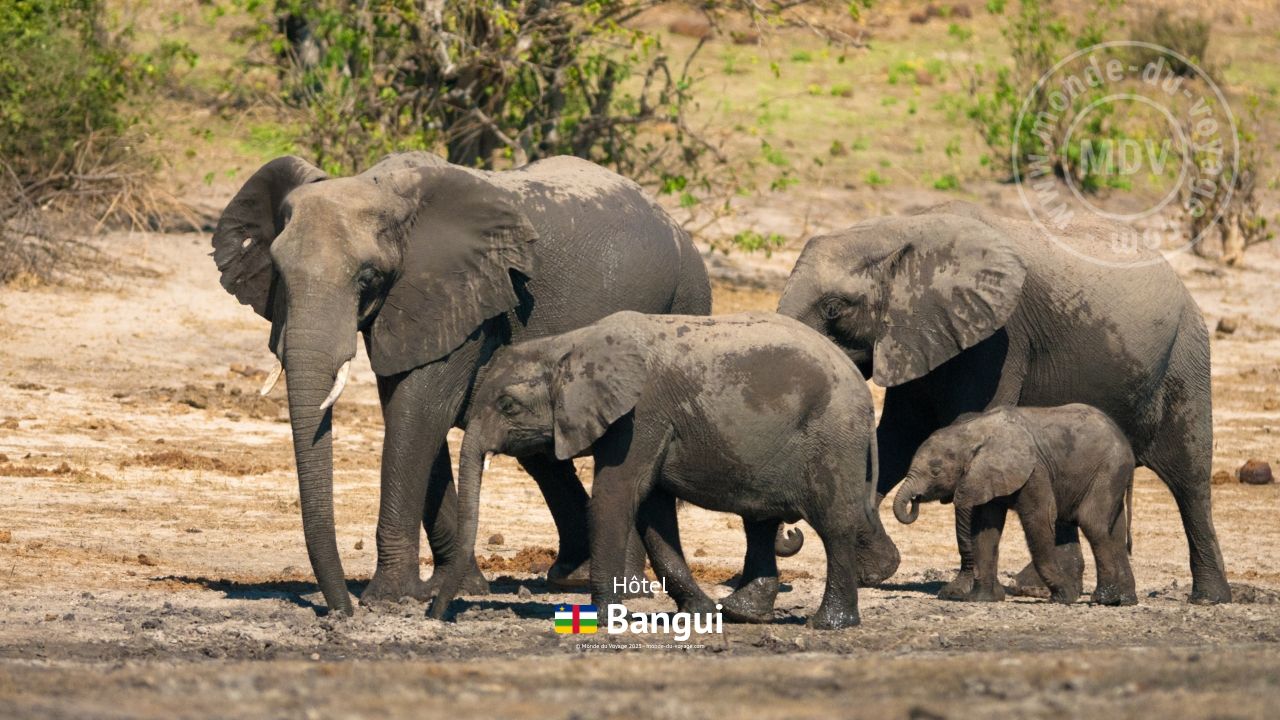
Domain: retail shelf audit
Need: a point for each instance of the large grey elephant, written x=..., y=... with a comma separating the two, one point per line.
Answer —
x=436, y=265
x=958, y=310
x=753, y=414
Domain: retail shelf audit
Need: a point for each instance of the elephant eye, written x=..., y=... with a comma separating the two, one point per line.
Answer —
x=508, y=405
x=833, y=308
x=368, y=278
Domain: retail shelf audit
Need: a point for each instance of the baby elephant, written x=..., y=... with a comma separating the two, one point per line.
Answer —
x=753, y=414
x=1061, y=467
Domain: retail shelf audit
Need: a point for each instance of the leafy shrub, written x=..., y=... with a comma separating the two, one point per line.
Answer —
x=1186, y=35
x=947, y=182
x=1239, y=218
x=522, y=79
x=66, y=147
x=60, y=75
x=504, y=83
x=1038, y=39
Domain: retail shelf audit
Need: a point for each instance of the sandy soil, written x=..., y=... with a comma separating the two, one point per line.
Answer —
x=152, y=564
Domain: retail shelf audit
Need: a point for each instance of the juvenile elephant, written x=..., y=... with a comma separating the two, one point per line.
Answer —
x=753, y=414
x=436, y=265
x=1059, y=468
x=957, y=310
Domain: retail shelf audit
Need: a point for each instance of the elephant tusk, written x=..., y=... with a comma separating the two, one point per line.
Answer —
x=487, y=457
x=272, y=378
x=339, y=383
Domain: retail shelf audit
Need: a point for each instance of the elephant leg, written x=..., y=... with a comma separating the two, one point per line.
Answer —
x=1186, y=471
x=961, y=586
x=1070, y=556
x=988, y=525
x=567, y=501
x=1038, y=513
x=1108, y=538
x=902, y=429
x=626, y=460
x=660, y=533
x=419, y=407
x=839, y=608
x=758, y=588
x=439, y=520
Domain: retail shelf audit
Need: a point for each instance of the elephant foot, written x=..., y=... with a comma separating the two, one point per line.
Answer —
x=701, y=605
x=384, y=587
x=602, y=602
x=575, y=576
x=986, y=593
x=753, y=602
x=1027, y=583
x=568, y=575
x=1210, y=593
x=474, y=583
x=1110, y=595
x=877, y=562
x=959, y=588
x=1064, y=596
x=385, y=591
x=828, y=618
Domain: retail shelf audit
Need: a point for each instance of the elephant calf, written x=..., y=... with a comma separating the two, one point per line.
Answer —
x=1059, y=468
x=753, y=414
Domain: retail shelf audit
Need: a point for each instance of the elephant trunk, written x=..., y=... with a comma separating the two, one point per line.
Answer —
x=313, y=452
x=787, y=543
x=471, y=466
x=315, y=356
x=907, y=495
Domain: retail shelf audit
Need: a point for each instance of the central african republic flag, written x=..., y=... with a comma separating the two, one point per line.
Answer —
x=576, y=619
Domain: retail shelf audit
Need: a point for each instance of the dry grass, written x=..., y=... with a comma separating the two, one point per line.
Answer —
x=182, y=460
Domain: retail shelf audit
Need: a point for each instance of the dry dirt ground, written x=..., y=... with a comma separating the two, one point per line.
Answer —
x=152, y=564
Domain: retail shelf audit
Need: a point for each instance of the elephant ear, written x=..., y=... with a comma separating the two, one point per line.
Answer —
x=1002, y=464
x=466, y=249
x=598, y=381
x=248, y=226
x=953, y=282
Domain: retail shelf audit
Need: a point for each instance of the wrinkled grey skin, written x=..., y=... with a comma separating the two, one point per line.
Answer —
x=753, y=414
x=436, y=265
x=956, y=310
x=1061, y=469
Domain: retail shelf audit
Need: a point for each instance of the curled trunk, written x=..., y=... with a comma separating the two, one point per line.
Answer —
x=787, y=543
x=470, y=472
x=907, y=495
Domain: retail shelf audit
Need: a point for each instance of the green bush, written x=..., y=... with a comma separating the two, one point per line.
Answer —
x=507, y=82
x=62, y=78
x=1038, y=38
x=68, y=154
x=1186, y=35
x=947, y=182
x=479, y=82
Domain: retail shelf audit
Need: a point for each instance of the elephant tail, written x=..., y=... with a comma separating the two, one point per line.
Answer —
x=1128, y=509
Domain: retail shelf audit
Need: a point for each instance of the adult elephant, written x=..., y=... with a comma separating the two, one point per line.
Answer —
x=436, y=265
x=956, y=310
